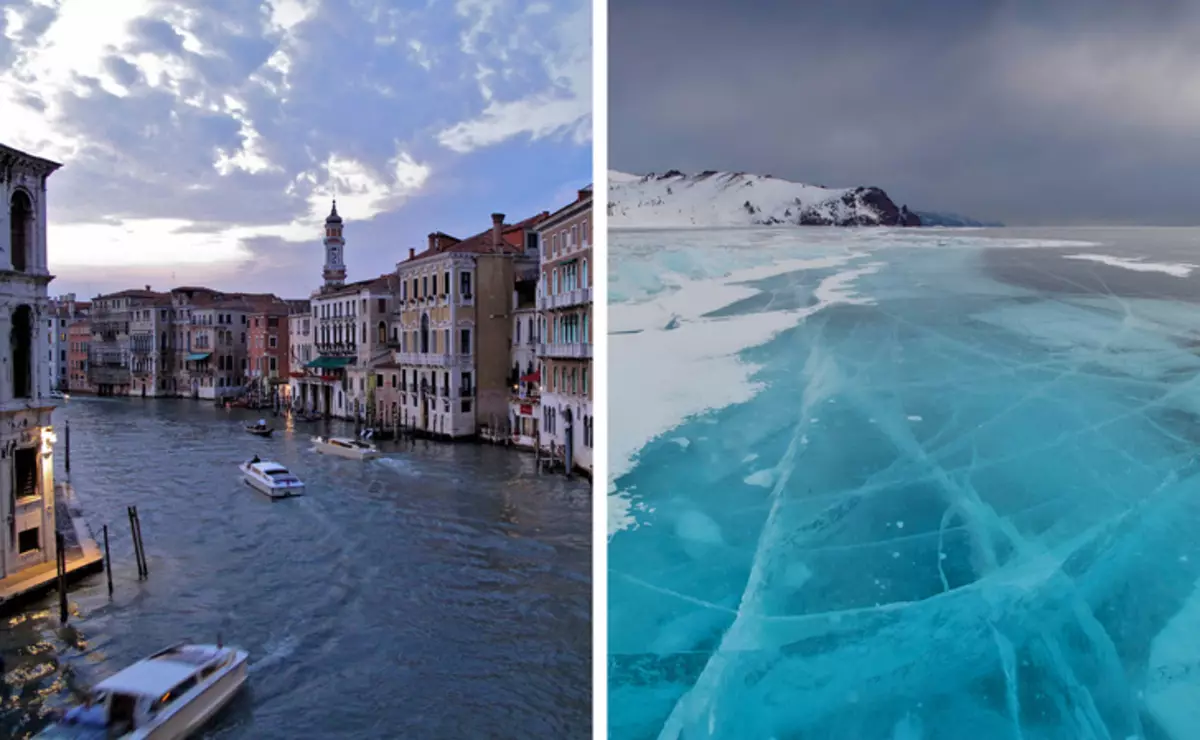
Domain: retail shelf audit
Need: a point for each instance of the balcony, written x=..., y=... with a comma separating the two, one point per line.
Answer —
x=432, y=360
x=567, y=299
x=339, y=349
x=573, y=351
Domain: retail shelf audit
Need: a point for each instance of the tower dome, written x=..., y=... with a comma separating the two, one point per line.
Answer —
x=333, y=217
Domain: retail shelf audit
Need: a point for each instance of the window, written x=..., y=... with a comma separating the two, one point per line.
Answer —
x=29, y=540
x=465, y=386
x=272, y=364
x=464, y=341
x=272, y=342
x=446, y=282
x=381, y=331
x=21, y=348
x=464, y=282
x=584, y=280
x=381, y=305
x=424, y=286
x=21, y=230
x=583, y=231
x=584, y=376
x=25, y=473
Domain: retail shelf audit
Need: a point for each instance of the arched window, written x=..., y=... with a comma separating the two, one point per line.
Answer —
x=21, y=230
x=424, y=333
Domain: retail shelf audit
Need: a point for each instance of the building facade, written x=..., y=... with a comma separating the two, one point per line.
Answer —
x=150, y=362
x=524, y=406
x=268, y=352
x=61, y=311
x=79, y=342
x=565, y=301
x=300, y=349
x=451, y=331
x=110, y=366
x=27, y=505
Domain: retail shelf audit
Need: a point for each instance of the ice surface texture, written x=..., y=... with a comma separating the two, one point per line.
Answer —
x=865, y=487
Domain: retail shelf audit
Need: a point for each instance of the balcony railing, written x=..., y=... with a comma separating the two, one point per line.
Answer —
x=572, y=351
x=428, y=359
x=337, y=349
x=566, y=299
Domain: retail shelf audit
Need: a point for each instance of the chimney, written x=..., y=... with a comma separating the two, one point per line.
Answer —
x=147, y=288
x=432, y=242
x=412, y=252
x=497, y=229
x=583, y=195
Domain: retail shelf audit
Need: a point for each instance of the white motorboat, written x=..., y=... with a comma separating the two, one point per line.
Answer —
x=354, y=449
x=271, y=478
x=168, y=696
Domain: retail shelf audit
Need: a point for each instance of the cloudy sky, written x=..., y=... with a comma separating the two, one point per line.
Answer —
x=1030, y=112
x=202, y=140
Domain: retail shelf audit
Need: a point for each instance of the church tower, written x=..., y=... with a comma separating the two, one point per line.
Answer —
x=335, y=248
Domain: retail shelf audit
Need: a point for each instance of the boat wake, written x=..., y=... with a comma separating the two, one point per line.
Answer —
x=277, y=651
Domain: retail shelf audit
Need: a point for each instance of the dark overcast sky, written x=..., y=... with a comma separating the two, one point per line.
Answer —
x=1031, y=112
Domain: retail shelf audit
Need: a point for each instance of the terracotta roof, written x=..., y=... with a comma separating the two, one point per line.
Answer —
x=131, y=293
x=512, y=241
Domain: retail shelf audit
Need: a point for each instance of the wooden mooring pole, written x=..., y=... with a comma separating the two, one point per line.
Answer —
x=68, y=442
x=60, y=547
x=107, y=563
x=139, y=550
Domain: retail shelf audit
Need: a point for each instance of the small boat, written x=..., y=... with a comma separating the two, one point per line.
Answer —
x=260, y=429
x=168, y=696
x=57, y=395
x=353, y=449
x=271, y=478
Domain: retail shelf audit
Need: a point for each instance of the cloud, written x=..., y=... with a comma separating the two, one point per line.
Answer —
x=562, y=52
x=195, y=131
x=1011, y=109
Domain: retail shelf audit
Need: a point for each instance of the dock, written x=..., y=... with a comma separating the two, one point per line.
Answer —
x=84, y=556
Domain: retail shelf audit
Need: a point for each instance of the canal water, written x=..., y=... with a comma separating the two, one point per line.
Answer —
x=441, y=591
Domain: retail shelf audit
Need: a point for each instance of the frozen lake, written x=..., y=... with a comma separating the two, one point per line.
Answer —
x=905, y=484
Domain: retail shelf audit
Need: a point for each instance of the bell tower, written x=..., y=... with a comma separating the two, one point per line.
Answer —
x=335, y=249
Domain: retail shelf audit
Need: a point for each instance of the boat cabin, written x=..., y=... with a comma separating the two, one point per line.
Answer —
x=350, y=444
x=153, y=688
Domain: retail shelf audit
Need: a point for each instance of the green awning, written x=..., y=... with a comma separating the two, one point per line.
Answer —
x=197, y=356
x=330, y=363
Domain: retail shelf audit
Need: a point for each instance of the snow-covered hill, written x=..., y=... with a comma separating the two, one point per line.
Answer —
x=676, y=200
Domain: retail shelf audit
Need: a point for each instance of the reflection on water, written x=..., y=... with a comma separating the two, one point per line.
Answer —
x=441, y=591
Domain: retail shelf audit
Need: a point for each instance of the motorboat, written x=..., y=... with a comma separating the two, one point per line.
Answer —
x=57, y=395
x=271, y=478
x=354, y=449
x=260, y=429
x=168, y=696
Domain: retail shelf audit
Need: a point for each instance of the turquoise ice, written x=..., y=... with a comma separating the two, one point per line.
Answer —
x=903, y=485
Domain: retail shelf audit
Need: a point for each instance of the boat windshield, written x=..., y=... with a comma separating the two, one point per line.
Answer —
x=276, y=472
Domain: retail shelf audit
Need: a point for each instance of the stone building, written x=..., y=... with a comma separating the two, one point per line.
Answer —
x=565, y=300
x=524, y=405
x=79, y=342
x=110, y=365
x=451, y=331
x=27, y=504
x=268, y=350
x=151, y=363
x=300, y=349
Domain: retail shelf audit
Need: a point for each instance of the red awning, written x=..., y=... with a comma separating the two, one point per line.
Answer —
x=535, y=377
